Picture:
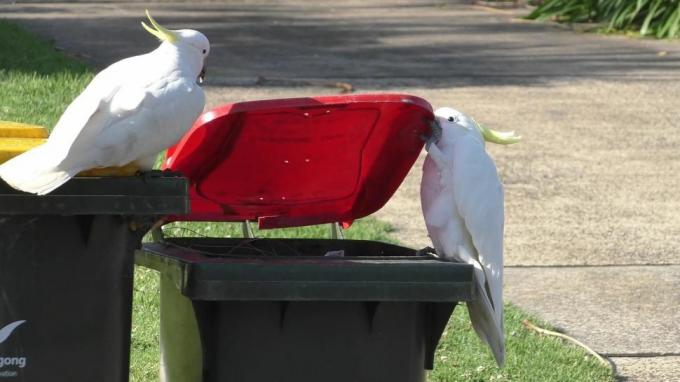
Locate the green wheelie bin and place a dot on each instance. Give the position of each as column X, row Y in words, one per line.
column 66, row 274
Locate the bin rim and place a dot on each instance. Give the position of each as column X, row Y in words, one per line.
column 287, row 278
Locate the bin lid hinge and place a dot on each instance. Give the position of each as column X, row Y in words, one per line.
column 247, row 229
column 336, row 231
column 157, row 234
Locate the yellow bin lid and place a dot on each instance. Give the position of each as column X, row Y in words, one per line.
column 16, row 138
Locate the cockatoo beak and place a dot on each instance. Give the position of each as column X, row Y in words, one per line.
column 435, row 135
column 201, row 76
column 158, row 30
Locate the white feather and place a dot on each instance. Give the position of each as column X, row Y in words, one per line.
column 462, row 201
column 34, row 171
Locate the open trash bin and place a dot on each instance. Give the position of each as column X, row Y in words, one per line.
column 66, row 275
column 251, row 309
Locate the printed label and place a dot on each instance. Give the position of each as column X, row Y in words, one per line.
column 11, row 364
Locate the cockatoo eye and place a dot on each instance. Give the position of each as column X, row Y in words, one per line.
column 204, row 51
column 453, row 119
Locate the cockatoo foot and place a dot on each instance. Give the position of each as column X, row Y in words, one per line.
column 149, row 174
column 427, row 251
column 155, row 174
column 172, row 174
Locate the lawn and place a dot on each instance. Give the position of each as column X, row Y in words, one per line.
column 37, row 83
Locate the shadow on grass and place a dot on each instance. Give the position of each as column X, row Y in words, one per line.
column 22, row 52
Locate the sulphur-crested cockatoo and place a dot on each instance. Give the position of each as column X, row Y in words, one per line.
column 462, row 201
column 130, row 112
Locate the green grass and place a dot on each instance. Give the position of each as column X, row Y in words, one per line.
column 364, row 229
column 37, row 83
column 529, row 357
column 144, row 353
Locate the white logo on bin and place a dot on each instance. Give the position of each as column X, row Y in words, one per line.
column 7, row 330
column 5, row 361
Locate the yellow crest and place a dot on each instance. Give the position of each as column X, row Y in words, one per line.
column 499, row 137
column 159, row 31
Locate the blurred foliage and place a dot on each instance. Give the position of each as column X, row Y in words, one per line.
column 658, row 18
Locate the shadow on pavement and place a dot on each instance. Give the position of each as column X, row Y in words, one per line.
column 419, row 44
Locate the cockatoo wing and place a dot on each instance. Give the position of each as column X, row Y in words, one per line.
column 136, row 123
column 48, row 166
column 454, row 197
column 103, row 87
column 478, row 196
column 126, row 113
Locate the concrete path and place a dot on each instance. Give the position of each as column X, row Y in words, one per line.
column 592, row 229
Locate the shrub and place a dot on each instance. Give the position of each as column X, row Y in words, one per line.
column 659, row 18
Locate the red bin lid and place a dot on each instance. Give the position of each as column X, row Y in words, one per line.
column 301, row 161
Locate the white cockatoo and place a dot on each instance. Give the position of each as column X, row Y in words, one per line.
column 130, row 112
column 462, row 201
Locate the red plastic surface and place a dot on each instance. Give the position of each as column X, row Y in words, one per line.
column 302, row 161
